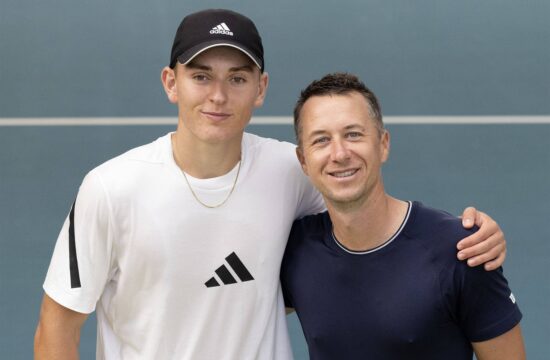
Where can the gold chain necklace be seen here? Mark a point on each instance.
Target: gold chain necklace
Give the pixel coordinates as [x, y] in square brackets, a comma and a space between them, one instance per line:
[175, 142]
[224, 201]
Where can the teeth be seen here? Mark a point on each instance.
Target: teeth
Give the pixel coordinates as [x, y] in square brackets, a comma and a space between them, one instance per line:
[344, 173]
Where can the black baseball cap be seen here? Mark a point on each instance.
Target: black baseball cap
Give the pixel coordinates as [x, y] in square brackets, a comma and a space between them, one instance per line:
[206, 29]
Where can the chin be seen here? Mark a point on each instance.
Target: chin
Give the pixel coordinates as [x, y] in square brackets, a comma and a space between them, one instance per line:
[343, 198]
[220, 137]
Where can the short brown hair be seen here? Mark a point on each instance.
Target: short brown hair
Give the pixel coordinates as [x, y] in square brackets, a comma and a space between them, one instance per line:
[337, 84]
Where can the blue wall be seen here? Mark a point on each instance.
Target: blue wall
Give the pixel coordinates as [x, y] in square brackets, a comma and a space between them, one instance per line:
[74, 59]
[103, 58]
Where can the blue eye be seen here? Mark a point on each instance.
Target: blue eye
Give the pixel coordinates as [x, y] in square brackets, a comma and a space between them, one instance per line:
[354, 134]
[321, 140]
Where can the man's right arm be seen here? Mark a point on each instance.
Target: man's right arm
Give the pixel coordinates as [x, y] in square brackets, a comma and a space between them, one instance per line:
[58, 332]
[508, 346]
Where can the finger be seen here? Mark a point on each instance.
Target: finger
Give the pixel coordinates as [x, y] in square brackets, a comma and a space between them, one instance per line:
[490, 255]
[496, 263]
[487, 228]
[469, 217]
[479, 248]
[482, 218]
[473, 239]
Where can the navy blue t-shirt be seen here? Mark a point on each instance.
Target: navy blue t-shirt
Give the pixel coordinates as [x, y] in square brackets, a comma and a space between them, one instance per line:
[409, 298]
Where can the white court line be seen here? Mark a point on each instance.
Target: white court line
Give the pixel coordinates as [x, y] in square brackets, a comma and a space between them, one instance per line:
[273, 120]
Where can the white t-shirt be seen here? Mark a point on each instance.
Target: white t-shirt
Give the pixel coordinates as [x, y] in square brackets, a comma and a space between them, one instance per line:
[170, 278]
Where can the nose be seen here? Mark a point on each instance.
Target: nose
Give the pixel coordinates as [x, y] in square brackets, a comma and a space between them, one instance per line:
[218, 93]
[339, 151]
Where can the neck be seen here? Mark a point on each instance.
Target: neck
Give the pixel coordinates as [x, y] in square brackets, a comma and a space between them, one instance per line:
[204, 160]
[370, 224]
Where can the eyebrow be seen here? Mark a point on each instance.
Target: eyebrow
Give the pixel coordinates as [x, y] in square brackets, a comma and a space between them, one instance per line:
[194, 65]
[247, 68]
[348, 127]
[354, 126]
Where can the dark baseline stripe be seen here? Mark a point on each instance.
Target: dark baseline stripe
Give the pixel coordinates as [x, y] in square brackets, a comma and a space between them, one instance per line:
[73, 261]
[239, 267]
[225, 275]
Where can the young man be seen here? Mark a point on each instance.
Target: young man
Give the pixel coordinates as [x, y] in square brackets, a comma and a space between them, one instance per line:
[377, 277]
[177, 244]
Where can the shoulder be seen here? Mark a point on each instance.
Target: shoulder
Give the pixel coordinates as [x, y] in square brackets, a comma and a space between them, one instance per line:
[310, 226]
[274, 162]
[272, 148]
[305, 242]
[152, 154]
[129, 168]
[428, 219]
[273, 157]
[436, 230]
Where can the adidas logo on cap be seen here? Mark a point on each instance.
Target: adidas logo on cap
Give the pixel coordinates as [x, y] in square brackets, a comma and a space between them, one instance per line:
[197, 33]
[225, 275]
[221, 29]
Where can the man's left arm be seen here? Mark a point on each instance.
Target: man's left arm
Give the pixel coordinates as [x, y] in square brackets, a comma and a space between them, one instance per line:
[487, 245]
[508, 346]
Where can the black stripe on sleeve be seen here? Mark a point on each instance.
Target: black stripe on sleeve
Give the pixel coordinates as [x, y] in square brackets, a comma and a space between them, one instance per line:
[73, 261]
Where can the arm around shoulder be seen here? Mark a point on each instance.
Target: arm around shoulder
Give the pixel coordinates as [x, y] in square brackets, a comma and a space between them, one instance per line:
[58, 331]
[508, 346]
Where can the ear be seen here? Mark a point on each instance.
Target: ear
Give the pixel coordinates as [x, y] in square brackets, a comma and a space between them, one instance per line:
[262, 89]
[168, 79]
[301, 159]
[385, 145]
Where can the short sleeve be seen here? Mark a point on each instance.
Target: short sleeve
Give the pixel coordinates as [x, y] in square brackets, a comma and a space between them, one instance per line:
[82, 259]
[482, 302]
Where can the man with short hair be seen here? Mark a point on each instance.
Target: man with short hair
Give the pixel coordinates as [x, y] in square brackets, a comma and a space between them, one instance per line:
[377, 277]
[177, 244]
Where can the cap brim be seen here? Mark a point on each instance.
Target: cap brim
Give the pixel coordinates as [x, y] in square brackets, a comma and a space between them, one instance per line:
[192, 53]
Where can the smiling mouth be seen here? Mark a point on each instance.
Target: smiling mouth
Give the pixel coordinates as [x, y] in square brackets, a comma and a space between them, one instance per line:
[216, 115]
[344, 174]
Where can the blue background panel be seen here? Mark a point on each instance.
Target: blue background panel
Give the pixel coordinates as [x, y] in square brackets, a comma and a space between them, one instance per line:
[64, 58]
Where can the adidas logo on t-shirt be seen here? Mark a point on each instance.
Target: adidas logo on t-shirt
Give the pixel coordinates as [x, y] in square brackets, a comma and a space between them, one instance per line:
[221, 29]
[225, 275]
